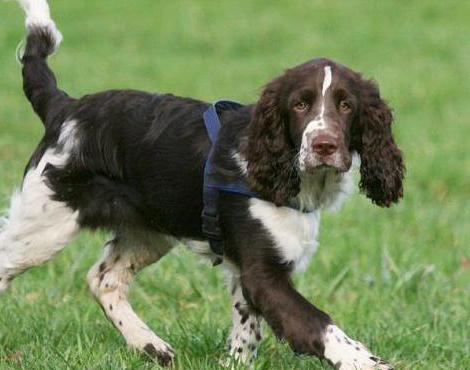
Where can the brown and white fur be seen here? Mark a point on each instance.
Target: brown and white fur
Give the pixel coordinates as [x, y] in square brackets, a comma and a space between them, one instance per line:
[104, 163]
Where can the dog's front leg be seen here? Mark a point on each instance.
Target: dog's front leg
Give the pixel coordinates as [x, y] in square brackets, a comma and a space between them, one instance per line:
[307, 329]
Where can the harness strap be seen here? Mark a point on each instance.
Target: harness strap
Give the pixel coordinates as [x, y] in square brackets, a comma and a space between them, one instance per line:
[213, 186]
[210, 215]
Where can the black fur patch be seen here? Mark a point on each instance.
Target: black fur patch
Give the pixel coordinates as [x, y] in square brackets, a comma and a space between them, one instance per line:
[101, 267]
[163, 358]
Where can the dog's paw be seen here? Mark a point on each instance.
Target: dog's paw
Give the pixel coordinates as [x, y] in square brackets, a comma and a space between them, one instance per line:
[160, 352]
[344, 353]
[239, 356]
[235, 363]
[369, 363]
[242, 351]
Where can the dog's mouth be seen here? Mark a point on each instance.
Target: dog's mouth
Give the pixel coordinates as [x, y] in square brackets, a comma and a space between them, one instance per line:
[336, 162]
[326, 167]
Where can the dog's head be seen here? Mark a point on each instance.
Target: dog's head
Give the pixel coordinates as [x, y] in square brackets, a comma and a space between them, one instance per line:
[314, 117]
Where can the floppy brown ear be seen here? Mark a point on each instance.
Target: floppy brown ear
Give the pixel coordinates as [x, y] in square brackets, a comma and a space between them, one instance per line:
[382, 168]
[270, 154]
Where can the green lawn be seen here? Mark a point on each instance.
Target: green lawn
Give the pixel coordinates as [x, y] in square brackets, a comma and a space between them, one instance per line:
[398, 279]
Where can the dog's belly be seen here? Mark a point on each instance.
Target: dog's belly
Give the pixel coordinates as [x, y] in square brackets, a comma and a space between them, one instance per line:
[198, 246]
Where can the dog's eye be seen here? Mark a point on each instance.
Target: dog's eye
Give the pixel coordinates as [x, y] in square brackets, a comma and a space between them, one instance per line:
[301, 106]
[344, 106]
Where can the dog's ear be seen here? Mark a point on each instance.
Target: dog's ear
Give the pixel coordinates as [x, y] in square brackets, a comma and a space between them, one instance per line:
[270, 153]
[382, 168]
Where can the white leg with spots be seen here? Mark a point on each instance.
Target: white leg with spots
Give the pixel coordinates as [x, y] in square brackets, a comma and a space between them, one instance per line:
[109, 281]
[345, 353]
[246, 330]
[36, 227]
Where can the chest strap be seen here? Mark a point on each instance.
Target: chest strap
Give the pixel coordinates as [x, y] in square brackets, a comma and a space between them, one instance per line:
[213, 186]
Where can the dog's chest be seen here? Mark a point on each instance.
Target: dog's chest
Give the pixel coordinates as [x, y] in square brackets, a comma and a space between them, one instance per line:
[294, 233]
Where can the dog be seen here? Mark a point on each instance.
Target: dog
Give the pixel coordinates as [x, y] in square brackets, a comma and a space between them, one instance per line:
[133, 162]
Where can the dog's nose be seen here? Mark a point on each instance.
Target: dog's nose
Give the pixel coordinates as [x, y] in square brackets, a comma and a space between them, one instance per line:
[324, 145]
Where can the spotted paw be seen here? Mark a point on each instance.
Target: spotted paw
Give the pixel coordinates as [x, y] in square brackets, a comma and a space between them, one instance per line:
[235, 363]
[371, 363]
[345, 353]
[244, 355]
[164, 355]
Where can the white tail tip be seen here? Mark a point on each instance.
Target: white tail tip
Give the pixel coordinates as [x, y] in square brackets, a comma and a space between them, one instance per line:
[38, 15]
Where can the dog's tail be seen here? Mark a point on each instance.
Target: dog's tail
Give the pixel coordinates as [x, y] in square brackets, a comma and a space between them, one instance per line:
[43, 38]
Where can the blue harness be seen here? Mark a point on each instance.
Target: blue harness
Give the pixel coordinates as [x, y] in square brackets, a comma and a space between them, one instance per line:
[212, 187]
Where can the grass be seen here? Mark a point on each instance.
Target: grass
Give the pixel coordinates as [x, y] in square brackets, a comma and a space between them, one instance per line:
[398, 279]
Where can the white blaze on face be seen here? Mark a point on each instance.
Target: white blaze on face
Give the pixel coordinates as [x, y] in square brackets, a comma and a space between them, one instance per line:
[326, 80]
[318, 122]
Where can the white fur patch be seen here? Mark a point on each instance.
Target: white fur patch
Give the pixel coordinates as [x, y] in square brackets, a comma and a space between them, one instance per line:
[198, 246]
[327, 189]
[38, 15]
[326, 80]
[37, 227]
[347, 354]
[241, 162]
[246, 328]
[109, 281]
[294, 233]
[319, 122]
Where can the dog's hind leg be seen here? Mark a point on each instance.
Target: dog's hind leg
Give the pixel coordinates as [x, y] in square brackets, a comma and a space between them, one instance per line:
[37, 227]
[109, 281]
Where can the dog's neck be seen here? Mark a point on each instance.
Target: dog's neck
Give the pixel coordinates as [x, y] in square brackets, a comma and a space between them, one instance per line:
[325, 189]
